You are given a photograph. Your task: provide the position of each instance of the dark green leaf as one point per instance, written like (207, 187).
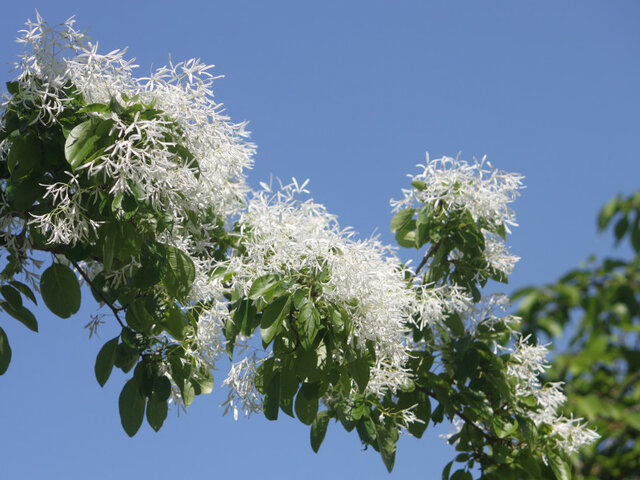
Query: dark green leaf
(308, 323)
(307, 403)
(288, 388)
(366, 430)
(126, 357)
(359, 370)
(12, 296)
(24, 155)
(60, 290)
(162, 388)
(5, 352)
(156, 412)
(271, 403)
(105, 360)
(319, 429)
(181, 272)
(387, 437)
(21, 314)
(131, 405)
(447, 469)
(137, 316)
(272, 318)
(621, 228)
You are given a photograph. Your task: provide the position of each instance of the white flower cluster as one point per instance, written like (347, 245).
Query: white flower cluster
(527, 363)
(59, 61)
(293, 237)
(453, 184)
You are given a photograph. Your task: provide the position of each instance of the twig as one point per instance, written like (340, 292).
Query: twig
(99, 293)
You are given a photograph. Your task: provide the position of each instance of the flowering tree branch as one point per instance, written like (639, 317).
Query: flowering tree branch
(141, 188)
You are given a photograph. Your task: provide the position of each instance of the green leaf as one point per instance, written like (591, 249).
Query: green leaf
(263, 286)
(366, 430)
(621, 228)
(21, 314)
(5, 352)
(137, 316)
(131, 405)
(461, 475)
(105, 360)
(289, 384)
(359, 370)
(447, 469)
(607, 213)
(419, 185)
(24, 155)
(319, 429)
(126, 357)
(387, 437)
(25, 290)
(95, 107)
(401, 218)
(162, 388)
(22, 195)
(188, 393)
(110, 240)
(181, 272)
(635, 237)
(175, 322)
(307, 403)
(12, 296)
(272, 317)
(86, 139)
(60, 290)
(244, 317)
(308, 323)
(156, 412)
(203, 382)
(271, 403)
(503, 426)
(559, 466)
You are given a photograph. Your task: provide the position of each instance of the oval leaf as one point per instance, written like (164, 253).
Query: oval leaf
(104, 361)
(23, 315)
(307, 403)
(60, 290)
(319, 430)
(131, 404)
(156, 412)
(272, 317)
(401, 218)
(181, 272)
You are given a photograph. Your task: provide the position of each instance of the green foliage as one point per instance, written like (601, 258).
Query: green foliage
(596, 308)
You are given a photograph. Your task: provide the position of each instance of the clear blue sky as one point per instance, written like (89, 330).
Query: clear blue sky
(351, 95)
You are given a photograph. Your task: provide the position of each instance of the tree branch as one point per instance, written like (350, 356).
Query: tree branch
(99, 293)
(429, 253)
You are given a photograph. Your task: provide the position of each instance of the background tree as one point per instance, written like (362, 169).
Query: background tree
(592, 315)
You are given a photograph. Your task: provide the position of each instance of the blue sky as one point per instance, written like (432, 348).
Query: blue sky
(351, 95)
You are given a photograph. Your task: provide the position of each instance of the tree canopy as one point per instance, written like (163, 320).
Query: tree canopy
(593, 312)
